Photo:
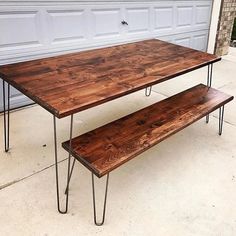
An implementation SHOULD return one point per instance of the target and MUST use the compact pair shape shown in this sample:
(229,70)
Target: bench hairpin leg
(221,119)
(94,202)
(207,118)
(6,115)
(209,82)
(148,91)
(71,171)
(56,166)
(209,75)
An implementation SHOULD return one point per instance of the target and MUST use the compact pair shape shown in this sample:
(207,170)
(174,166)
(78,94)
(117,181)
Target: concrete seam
(26,177)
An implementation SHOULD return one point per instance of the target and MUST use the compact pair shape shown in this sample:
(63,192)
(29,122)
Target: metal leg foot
(148,91)
(207,118)
(94,202)
(56,166)
(221,119)
(6,115)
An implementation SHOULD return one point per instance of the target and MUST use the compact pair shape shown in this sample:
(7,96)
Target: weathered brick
(225,27)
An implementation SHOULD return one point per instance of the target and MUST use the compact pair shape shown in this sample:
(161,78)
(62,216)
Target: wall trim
(215,16)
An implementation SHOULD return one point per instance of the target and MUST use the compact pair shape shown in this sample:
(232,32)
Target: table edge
(60,115)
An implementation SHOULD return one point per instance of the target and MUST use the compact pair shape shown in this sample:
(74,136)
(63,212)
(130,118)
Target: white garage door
(39,29)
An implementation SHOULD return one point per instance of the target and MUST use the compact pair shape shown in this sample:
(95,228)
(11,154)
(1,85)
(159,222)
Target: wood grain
(74,82)
(108,147)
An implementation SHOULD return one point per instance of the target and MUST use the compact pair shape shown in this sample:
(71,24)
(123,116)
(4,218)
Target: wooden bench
(110,146)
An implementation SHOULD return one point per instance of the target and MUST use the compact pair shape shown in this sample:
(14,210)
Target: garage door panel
(19,29)
(183,41)
(67,25)
(106,22)
(196,40)
(16,99)
(168,38)
(200,41)
(179,17)
(184,19)
(164,18)
(138,19)
(203,14)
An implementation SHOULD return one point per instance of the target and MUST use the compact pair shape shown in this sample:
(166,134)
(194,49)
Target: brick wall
(227,15)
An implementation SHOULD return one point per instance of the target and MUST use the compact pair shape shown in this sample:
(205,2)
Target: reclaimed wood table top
(70,83)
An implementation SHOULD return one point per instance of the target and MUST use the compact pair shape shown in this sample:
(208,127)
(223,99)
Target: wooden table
(67,84)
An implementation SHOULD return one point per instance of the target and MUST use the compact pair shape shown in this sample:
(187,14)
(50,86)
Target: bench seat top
(108,147)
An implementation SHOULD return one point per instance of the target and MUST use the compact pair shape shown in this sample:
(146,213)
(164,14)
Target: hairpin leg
(207,118)
(94,202)
(6,115)
(148,91)
(221,119)
(209,75)
(71,171)
(56,166)
(209,82)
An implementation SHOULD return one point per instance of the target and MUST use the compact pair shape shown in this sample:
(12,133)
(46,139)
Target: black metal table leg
(71,171)
(209,75)
(56,166)
(6,116)
(209,82)
(221,119)
(104,204)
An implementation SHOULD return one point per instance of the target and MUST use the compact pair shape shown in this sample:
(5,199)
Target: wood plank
(74,82)
(108,147)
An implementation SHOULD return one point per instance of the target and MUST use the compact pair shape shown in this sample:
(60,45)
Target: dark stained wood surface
(105,148)
(74,82)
